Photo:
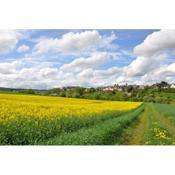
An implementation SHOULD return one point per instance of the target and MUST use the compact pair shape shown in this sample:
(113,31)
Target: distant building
(54,94)
(142,87)
(108,88)
(172,86)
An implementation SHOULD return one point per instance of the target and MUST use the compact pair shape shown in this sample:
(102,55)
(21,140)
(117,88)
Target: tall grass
(104,133)
(26,131)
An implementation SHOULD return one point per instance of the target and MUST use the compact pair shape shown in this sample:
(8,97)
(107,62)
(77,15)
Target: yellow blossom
(12,106)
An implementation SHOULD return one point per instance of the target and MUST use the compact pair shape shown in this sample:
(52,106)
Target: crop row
(105,133)
(24,131)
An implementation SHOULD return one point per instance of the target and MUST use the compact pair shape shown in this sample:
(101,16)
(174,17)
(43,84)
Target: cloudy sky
(55,58)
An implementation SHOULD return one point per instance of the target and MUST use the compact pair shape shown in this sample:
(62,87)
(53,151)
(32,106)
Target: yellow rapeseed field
(12,106)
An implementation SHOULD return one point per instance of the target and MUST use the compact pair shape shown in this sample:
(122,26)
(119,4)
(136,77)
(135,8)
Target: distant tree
(90,90)
(62,94)
(78,90)
(163,84)
(54,91)
(27,91)
(76,95)
(96,96)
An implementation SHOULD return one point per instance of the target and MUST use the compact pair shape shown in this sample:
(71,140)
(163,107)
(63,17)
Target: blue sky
(126,39)
(54,58)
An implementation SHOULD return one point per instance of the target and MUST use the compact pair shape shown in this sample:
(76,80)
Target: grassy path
(139,136)
(103,133)
(151,128)
(136,133)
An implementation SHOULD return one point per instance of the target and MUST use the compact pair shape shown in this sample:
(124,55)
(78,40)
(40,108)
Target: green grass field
(155,126)
(39,120)
(151,124)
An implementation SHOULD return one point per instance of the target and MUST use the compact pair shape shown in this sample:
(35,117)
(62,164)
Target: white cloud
(75,42)
(149,66)
(36,76)
(108,72)
(97,77)
(87,73)
(162,73)
(45,76)
(8,40)
(9,68)
(72,43)
(156,42)
(84,63)
(142,65)
(23,48)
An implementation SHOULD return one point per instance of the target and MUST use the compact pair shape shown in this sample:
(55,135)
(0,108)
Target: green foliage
(62,94)
(158,93)
(148,94)
(55,91)
(27,91)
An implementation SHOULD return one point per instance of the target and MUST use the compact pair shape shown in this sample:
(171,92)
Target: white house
(172,86)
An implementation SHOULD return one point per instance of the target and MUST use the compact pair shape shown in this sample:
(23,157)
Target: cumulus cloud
(23,48)
(156,42)
(8,40)
(84,63)
(9,68)
(149,66)
(112,71)
(45,76)
(36,76)
(150,63)
(162,73)
(142,65)
(87,73)
(71,43)
(98,77)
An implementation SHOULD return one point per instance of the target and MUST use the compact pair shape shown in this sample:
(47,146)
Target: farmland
(27,119)
(44,120)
